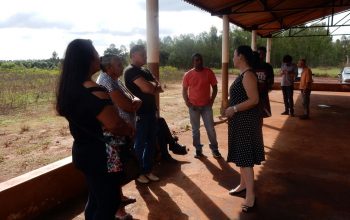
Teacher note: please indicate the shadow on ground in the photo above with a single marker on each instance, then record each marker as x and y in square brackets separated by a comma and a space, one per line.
[306, 174]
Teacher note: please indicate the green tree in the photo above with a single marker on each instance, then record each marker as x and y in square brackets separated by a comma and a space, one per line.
[121, 52]
[112, 50]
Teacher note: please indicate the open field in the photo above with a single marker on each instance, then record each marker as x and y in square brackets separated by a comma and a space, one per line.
[32, 135]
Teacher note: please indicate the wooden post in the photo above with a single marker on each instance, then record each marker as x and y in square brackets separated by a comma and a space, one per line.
[152, 10]
[225, 61]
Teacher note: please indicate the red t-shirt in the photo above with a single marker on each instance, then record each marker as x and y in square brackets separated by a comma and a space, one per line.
[198, 85]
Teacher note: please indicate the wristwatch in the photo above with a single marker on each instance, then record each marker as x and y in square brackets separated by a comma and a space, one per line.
[235, 110]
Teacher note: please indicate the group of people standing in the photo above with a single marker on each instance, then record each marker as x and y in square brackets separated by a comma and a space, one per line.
[106, 117]
[248, 105]
[289, 73]
[245, 140]
[126, 115]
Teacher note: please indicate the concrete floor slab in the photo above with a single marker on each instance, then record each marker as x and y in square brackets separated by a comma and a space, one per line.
[306, 174]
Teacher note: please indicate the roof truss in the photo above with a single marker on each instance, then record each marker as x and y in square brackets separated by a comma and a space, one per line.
[271, 17]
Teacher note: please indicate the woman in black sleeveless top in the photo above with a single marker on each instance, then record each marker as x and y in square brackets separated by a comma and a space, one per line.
[88, 109]
[245, 142]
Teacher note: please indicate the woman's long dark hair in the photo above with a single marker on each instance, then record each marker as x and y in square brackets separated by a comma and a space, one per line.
[79, 56]
[248, 54]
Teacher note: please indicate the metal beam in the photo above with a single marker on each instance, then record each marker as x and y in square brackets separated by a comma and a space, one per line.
[265, 6]
[282, 10]
[227, 9]
[318, 26]
[313, 26]
[313, 35]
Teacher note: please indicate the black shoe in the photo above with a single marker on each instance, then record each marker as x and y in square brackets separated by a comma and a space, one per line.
[169, 159]
[247, 209]
[127, 200]
[178, 149]
[285, 113]
[304, 117]
[216, 154]
[198, 154]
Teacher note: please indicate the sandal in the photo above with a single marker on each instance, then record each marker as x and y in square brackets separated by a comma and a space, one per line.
[248, 209]
[232, 193]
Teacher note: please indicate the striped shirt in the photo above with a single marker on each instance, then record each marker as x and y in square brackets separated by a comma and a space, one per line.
[112, 85]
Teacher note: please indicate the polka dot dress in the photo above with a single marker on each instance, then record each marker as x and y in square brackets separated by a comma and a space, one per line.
[245, 140]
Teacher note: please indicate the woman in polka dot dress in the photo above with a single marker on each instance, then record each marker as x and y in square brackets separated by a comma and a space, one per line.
[245, 142]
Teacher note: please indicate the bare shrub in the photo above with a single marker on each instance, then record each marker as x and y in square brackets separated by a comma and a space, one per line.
[24, 128]
[18, 90]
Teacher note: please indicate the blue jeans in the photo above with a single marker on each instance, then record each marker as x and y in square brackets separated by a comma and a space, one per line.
[207, 116]
[145, 140]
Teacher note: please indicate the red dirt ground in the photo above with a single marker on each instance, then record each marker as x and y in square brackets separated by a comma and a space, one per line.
[306, 174]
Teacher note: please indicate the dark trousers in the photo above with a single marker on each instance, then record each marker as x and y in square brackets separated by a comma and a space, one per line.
[145, 140]
[288, 99]
[306, 100]
[164, 137]
[104, 196]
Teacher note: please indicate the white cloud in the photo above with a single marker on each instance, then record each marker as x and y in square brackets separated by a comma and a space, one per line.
[33, 29]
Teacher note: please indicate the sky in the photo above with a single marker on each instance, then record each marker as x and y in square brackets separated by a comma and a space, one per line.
[34, 29]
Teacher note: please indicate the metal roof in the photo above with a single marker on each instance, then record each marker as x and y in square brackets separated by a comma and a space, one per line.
[269, 17]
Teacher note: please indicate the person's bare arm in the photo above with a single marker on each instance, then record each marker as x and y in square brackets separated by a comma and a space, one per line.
[113, 123]
[213, 94]
[122, 101]
[147, 86]
[250, 86]
[109, 117]
[185, 96]
[282, 72]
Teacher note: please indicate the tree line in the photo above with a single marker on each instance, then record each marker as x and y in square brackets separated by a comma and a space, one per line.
[51, 63]
[319, 51]
[176, 51]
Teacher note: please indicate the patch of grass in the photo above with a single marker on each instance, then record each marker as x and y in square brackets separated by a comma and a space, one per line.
[216, 109]
[232, 71]
[22, 88]
[24, 150]
[319, 71]
[326, 71]
[187, 127]
[169, 74]
[13, 68]
[44, 144]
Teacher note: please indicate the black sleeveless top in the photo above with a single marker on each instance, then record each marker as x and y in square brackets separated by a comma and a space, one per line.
[88, 151]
